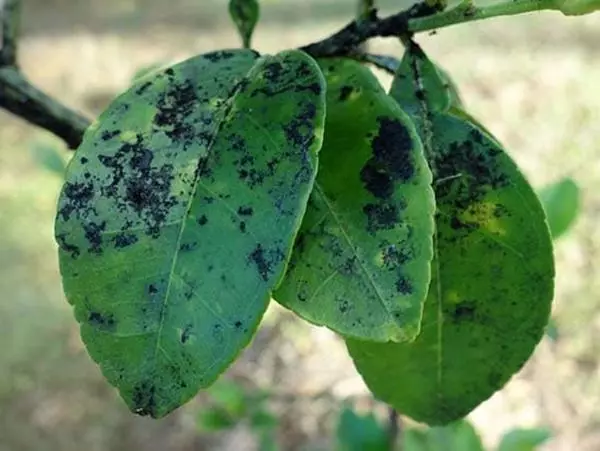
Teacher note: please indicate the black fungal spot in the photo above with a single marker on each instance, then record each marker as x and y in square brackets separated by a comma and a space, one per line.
[202, 220]
[78, 197]
[394, 257]
[174, 106]
[377, 179]
[266, 260]
[124, 239]
[93, 233]
[381, 216]
[392, 148]
[273, 71]
[144, 399]
[474, 158]
[238, 324]
[103, 322]
[215, 57]
[186, 247]
[147, 190]
[404, 286]
[106, 135]
[61, 239]
[243, 226]
[258, 257]
[152, 289]
[345, 92]
[343, 305]
[185, 333]
[170, 72]
[245, 211]
[300, 130]
[143, 88]
[83, 160]
[349, 267]
[464, 311]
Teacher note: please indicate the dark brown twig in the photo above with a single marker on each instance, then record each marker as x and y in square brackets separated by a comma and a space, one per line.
[21, 98]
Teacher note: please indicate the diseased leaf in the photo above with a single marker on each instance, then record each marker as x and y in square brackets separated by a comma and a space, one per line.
[179, 213]
[524, 439]
[453, 91]
[360, 265]
[462, 114]
[491, 286]
[410, 94]
[561, 204]
[244, 14]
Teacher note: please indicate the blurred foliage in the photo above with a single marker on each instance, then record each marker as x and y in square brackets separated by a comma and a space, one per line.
[232, 405]
[561, 203]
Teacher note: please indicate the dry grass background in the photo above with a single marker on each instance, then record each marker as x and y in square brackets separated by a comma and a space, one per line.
[534, 81]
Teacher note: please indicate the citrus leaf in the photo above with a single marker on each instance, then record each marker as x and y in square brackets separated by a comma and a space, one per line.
[178, 216]
[491, 287]
[244, 14]
[457, 436]
[214, 419]
[49, 157]
[524, 439]
[561, 204]
[404, 89]
[360, 432]
[360, 265]
[462, 114]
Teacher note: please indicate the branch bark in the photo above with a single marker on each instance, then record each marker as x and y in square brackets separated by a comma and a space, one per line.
[21, 98]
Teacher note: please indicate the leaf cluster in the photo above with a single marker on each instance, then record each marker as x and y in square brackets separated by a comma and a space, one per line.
[394, 218]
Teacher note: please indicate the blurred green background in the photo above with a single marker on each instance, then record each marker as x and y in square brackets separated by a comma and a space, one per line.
[533, 81]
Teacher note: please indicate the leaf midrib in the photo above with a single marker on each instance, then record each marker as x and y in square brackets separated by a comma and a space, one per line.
[317, 188]
[226, 104]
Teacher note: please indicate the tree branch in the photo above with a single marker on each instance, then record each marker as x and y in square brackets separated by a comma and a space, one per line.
[21, 98]
[10, 25]
[360, 30]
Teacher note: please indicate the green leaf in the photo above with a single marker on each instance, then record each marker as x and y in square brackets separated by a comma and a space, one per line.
[361, 263]
[415, 439]
[452, 87]
[458, 436]
[178, 216]
[212, 420]
[561, 204]
[491, 287]
[552, 331]
[524, 439]
[416, 65]
[462, 114]
[49, 157]
[578, 7]
[262, 419]
[360, 432]
[146, 70]
[244, 14]
[230, 397]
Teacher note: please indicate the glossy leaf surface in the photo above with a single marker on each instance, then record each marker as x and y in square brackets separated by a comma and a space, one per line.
[491, 287]
[360, 265]
[179, 213]
[415, 65]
